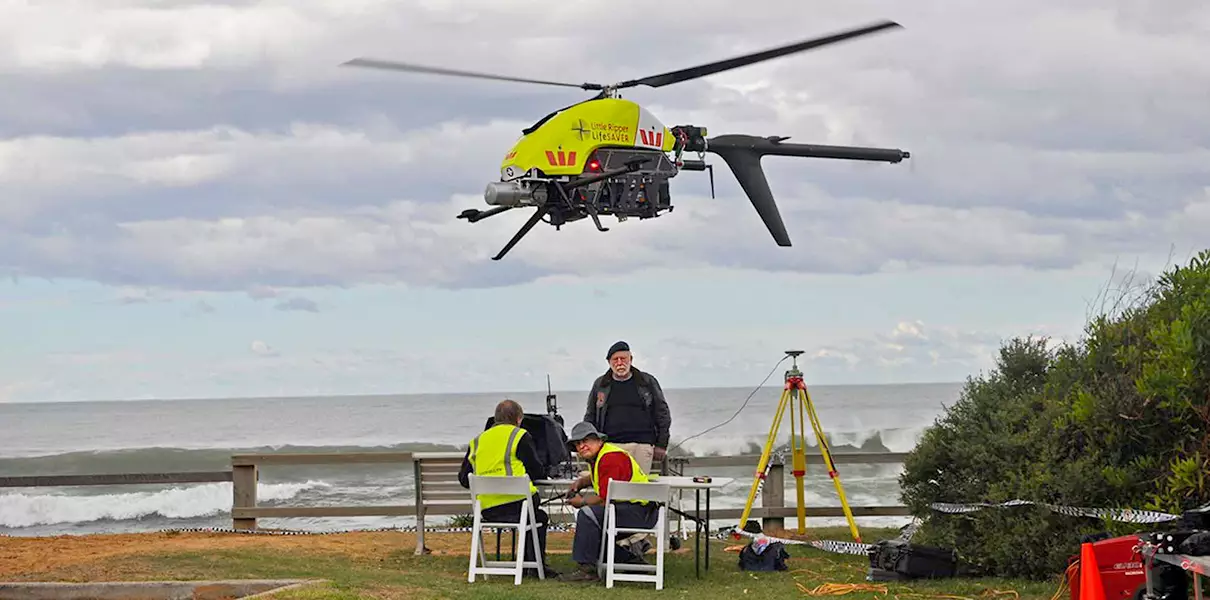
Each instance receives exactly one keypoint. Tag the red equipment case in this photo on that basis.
(1120, 564)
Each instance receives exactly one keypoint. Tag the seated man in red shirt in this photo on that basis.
(607, 463)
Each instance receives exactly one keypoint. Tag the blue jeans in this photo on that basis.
(586, 546)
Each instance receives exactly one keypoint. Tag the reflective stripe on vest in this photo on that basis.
(494, 454)
(636, 473)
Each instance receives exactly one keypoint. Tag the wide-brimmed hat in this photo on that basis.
(583, 430)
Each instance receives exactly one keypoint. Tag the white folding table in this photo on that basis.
(678, 482)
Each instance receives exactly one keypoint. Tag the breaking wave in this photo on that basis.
(46, 511)
(878, 440)
(147, 460)
(205, 500)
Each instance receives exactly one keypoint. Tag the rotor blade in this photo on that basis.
(537, 216)
(749, 59)
(398, 66)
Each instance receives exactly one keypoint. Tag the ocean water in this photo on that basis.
(201, 435)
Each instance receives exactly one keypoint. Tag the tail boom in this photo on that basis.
(743, 154)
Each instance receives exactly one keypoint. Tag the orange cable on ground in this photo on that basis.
(1063, 581)
(839, 589)
(993, 593)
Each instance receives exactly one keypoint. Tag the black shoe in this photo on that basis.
(584, 573)
(643, 546)
(547, 571)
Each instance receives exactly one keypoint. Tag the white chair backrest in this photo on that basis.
(630, 490)
(513, 485)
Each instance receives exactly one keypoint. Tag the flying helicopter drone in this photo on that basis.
(610, 156)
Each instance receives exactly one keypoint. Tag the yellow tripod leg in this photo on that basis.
(798, 445)
(764, 457)
(832, 472)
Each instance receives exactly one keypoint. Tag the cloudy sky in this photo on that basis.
(196, 200)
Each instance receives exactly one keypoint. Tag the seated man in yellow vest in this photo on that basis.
(607, 463)
(506, 449)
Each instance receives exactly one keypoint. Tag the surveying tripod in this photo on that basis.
(795, 395)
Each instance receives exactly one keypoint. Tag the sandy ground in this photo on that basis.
(23, 555)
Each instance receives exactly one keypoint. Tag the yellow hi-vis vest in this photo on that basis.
(494, 454)
(636, 474)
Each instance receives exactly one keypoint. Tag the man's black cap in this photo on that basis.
(617, 347)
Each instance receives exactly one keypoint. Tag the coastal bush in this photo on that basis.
(1120, 419)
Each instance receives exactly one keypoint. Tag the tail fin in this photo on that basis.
(743, 154)
(745, 165)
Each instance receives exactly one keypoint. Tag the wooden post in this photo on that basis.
(419, 482)
(243, 489)
(773, 494)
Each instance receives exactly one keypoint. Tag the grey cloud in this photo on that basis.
(693, 344)
(910, 343)
(121, 101)
(259, 292)
(202, 307)
(262, 349)
(297, 304)
(1032, 144)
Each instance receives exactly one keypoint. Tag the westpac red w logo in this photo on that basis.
(562, 159)
(651, 138)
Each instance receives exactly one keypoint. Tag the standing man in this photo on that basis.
(507, 449)
(628, 405)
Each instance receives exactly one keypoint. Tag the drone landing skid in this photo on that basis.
(474, 215)
(529, 224)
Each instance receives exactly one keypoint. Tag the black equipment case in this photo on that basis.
(892, 560)
(550, 439)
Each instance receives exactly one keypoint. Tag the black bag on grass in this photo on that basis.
(772, 558)
(910, 561)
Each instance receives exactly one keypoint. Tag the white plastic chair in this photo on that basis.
(528, 524)
(620, 491)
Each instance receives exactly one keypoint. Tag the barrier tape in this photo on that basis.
(1124, 515)
(834, 546)
(403, 529)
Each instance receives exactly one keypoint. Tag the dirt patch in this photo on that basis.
(144, 590)
(81, 557)
(396, 592)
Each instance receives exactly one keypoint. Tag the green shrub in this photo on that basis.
(1119, 420)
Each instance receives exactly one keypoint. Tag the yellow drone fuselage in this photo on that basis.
(563, 145)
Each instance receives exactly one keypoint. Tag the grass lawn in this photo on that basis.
(383, 565)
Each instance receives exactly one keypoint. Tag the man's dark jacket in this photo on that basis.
(649, 392)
